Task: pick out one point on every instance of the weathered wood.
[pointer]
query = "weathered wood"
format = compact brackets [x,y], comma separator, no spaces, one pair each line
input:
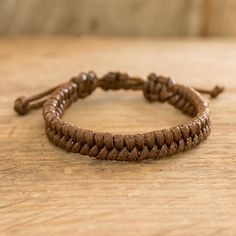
[123,17]
[44,190]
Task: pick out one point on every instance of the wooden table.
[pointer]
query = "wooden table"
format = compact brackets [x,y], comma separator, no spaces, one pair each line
[46,191]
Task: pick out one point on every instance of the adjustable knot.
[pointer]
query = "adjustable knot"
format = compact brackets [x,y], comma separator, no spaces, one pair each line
[216,91]
[21,105]
[114,81]
[86,83]
[117,80]
[158,88]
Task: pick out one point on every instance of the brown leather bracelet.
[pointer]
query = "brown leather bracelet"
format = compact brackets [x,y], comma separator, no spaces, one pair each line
[107,146]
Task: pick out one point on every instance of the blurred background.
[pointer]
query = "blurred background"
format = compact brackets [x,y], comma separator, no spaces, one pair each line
[118,17]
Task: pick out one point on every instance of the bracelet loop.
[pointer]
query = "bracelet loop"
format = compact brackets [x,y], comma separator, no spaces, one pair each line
[107,146]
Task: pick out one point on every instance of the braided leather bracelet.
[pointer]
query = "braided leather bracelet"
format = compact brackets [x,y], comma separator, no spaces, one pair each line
[107,146]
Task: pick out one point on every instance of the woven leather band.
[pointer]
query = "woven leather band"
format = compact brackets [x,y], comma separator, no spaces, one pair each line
[107,146]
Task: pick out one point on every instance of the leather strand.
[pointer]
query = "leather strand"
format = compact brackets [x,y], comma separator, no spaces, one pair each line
[107,146]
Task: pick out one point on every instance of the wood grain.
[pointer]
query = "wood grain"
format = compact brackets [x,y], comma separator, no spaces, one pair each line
[123,17]
[44,190]
[100,17]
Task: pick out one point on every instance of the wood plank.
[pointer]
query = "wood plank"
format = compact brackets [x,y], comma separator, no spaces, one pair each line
[44,190]
[129,17]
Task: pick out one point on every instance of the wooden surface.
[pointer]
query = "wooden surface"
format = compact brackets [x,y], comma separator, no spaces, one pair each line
[46,191]
[123,17]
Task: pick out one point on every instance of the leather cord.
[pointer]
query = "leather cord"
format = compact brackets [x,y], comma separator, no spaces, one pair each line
[107,146]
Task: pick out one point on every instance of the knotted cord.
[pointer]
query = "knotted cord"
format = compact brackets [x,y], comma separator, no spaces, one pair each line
[107,146]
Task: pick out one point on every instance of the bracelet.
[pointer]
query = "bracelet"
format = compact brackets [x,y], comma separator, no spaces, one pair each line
[107,146]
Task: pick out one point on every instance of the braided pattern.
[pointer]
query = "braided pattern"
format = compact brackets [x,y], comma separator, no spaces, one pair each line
[107,146]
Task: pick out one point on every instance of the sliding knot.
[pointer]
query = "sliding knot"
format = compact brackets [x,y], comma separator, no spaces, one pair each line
[161,80]
[86,83]
[21,105]
[158,88]
[117,80]
[114,81]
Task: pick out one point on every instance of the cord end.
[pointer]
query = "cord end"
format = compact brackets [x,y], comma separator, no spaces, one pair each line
[24,104]
[216,91]
[213,93]
[21,105]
